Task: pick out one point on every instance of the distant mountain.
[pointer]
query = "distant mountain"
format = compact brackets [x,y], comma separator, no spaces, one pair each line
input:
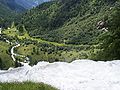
[21,5]
[30,3]
[26,3]
[11,4]
[9,12]
[10,8]
[40,1]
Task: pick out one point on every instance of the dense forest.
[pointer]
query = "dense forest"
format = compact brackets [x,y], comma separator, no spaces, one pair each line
[76,22]
[69,21]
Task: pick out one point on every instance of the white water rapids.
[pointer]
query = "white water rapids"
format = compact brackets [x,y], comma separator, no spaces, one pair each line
[78,75]
[26,61]
[12,52]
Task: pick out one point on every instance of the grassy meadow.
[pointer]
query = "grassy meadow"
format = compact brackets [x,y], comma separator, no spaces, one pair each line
[25,86]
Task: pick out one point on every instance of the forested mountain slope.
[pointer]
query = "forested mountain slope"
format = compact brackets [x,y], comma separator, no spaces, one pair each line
[6,15]
[9,10]
[68,21]
[11,4]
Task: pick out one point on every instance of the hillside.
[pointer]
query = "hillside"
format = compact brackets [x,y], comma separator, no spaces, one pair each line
[11,4]
[9,12]
[69,21]
[6,15]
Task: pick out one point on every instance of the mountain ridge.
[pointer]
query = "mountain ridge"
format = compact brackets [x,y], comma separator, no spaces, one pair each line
[28,4]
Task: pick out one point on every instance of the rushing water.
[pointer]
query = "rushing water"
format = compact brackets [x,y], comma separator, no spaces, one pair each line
[78,75]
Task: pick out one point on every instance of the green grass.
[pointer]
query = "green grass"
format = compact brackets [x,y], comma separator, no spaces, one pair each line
[62,55]
[6,60]
[36,54]
[47,51]
[13,32]
[25,86]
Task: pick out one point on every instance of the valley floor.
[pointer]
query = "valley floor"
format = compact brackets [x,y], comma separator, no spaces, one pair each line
[78,75]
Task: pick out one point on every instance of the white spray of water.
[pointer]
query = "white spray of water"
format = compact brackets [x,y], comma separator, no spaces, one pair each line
[78,75]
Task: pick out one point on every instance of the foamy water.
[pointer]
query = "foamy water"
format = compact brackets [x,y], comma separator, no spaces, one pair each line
[78,75]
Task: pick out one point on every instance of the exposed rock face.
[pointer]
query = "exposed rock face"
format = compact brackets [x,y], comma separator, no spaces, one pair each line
[102,25]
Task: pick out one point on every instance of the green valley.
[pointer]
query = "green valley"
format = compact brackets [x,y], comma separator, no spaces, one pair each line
[54,43]
[40,50]
[64,31]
